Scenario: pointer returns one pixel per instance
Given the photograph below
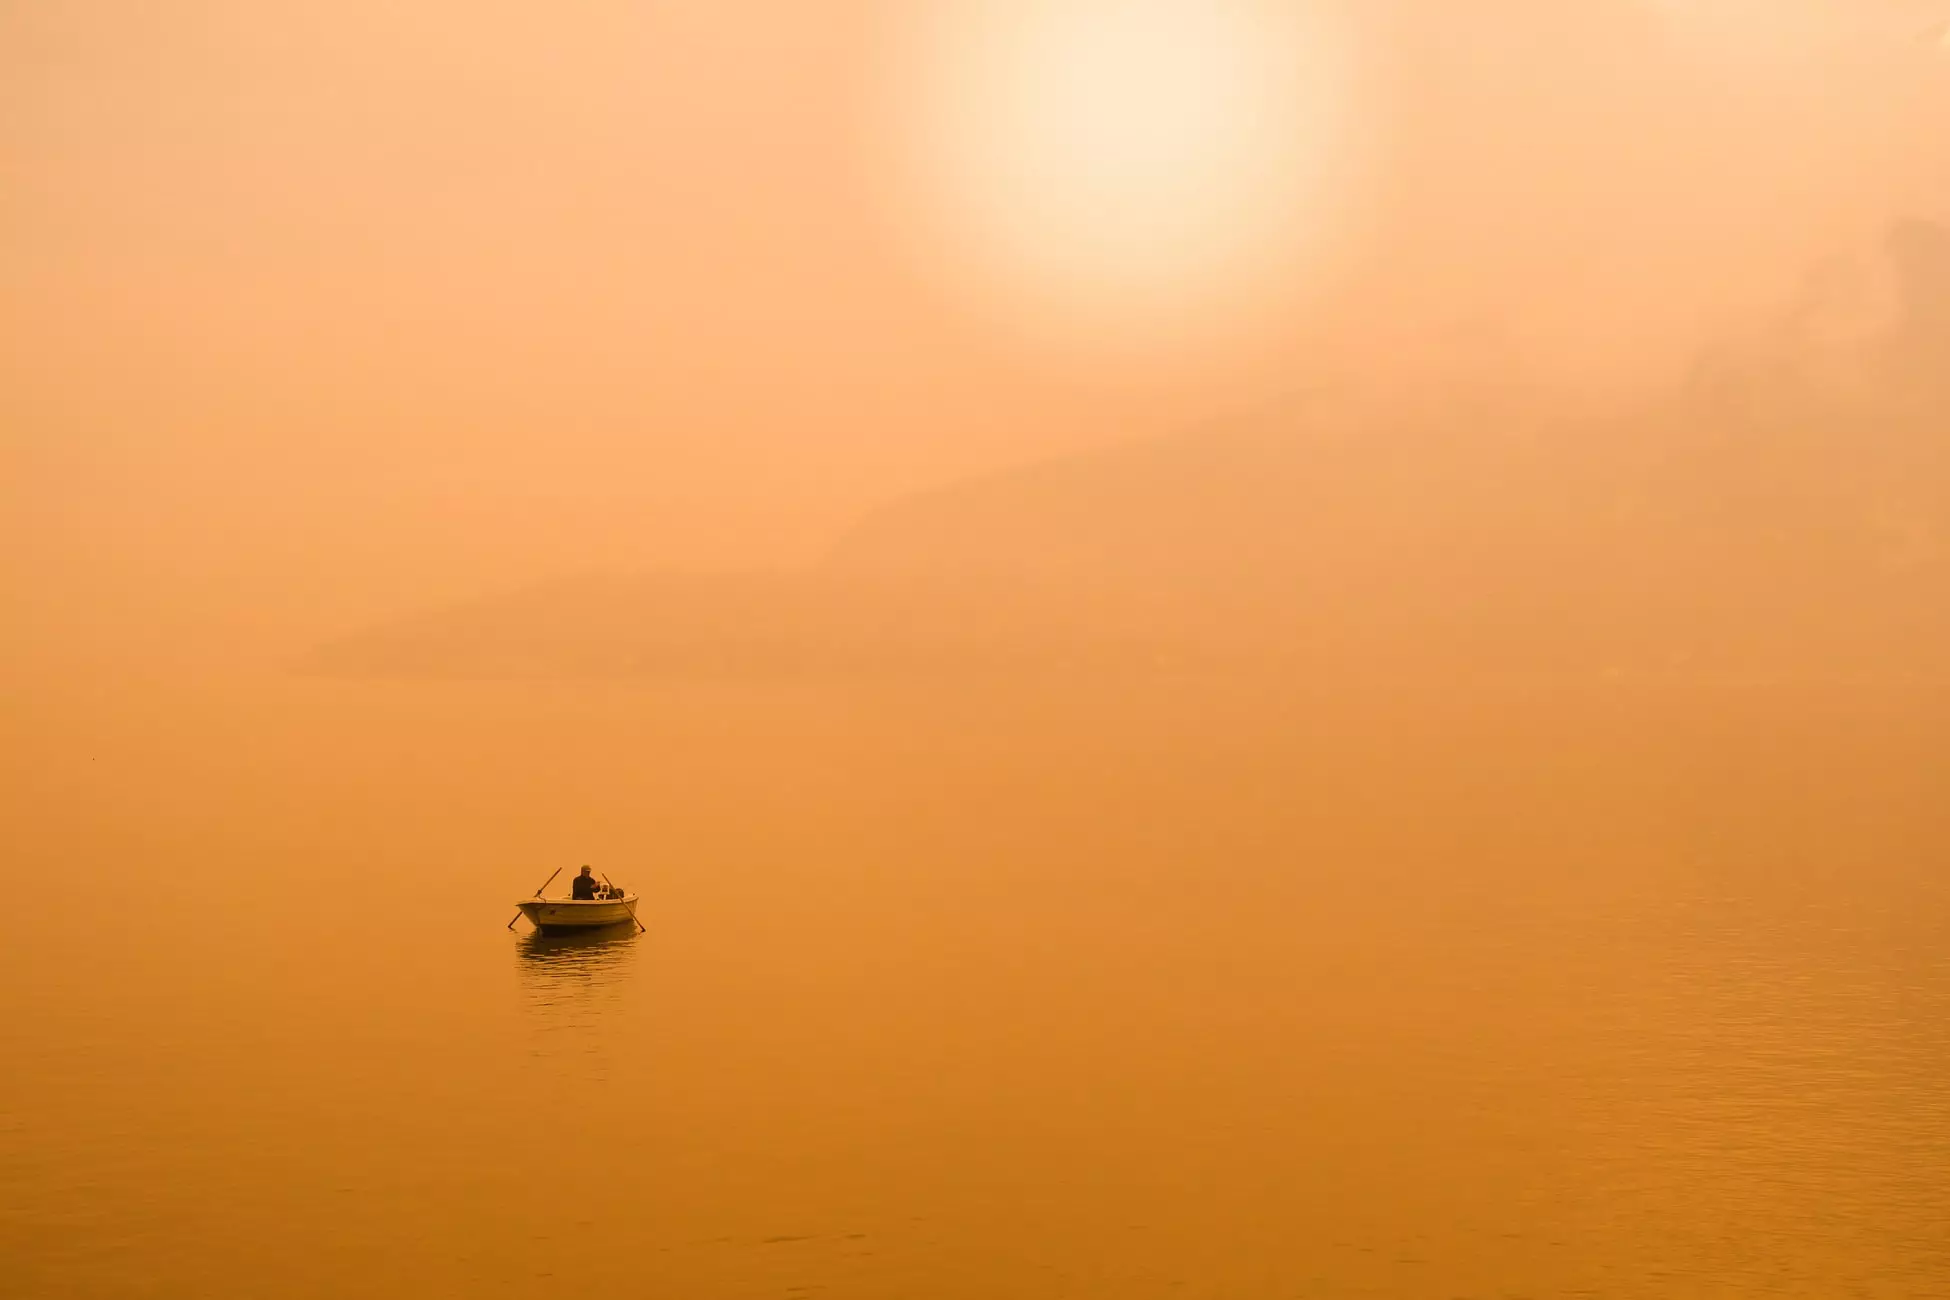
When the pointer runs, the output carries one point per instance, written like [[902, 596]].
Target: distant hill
[[1782, 513]]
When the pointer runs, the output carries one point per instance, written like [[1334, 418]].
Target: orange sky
[[313, 311]]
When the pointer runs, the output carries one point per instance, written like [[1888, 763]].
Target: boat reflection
[[582, 967]]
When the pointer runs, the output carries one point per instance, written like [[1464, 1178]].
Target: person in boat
[[583, 887]]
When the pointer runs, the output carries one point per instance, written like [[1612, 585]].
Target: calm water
[[1154, 990]]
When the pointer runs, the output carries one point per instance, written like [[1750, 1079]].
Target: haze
[[396, 307], [1248, 649]]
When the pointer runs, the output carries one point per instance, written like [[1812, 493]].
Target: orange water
[[1134, 989]]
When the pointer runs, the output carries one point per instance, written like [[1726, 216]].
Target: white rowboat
[[554, 915]]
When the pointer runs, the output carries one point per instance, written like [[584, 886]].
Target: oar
[[538, 893], [641, 928]]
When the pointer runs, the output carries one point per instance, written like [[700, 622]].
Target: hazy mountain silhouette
[[1787, 510]]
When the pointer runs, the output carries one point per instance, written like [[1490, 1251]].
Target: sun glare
[[1118, 164]]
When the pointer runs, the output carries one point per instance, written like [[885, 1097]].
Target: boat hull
[[553, 915]]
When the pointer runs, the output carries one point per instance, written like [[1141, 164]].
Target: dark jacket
[[582, 887]]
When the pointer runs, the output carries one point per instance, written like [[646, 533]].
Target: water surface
[[1154, 988]]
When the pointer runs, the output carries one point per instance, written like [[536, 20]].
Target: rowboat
[[556, 915]]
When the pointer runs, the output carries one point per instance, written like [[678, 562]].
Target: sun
[[1118, 165]]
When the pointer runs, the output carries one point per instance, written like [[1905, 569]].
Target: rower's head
[[585, 871]]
